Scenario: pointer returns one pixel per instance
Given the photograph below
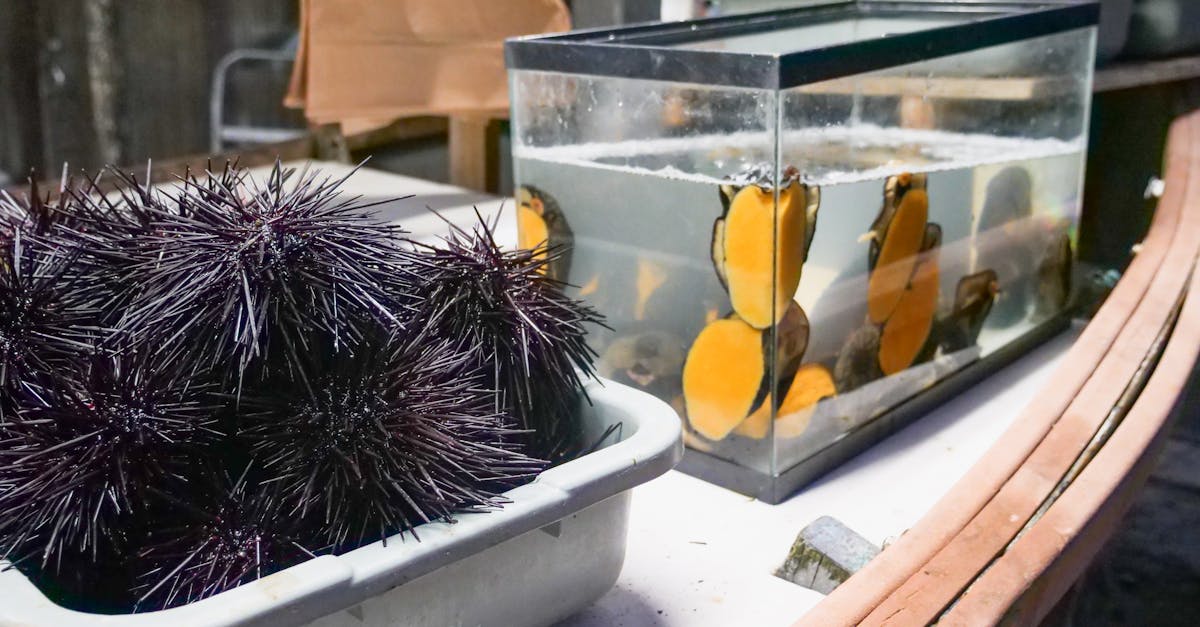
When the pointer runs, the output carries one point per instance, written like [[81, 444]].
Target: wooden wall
[[91, 82]]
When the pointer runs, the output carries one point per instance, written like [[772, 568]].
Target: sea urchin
[[532, 336], [402, 434], [231, 266], [233, 533], [81, 453], [46, 315]]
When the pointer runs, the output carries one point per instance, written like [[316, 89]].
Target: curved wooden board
[[851, 602], [1024, 584]]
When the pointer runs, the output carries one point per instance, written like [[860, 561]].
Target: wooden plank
[[1038, 569], [950, 88], [301, 148], [1142, 73], [329, 144], [934, 586], [597, 13], [103, 72], [163, 105], [1120, 76], [399, 130], [118, 82], [68, 126], [469, 154], [324, 143]]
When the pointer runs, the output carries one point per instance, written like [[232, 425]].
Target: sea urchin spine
[[46, 314], [236, 533], [532, 336], [230, 266], [392, 438], [81, 453]]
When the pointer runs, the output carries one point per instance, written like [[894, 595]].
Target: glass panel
[[630, 172], [949, 207]]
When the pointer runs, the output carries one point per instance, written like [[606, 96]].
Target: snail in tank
[[896, 237], [1054, 274], [974, 298], [762, 278], [903, 285], [1007, 206], [650, 361], [903, 327], [729, 383], [858, 361], [541, 224]]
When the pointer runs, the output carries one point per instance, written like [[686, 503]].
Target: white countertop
[[702, 555]]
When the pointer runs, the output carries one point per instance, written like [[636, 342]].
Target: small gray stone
[[825, 554]]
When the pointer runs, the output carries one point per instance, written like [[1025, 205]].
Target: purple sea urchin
[[42, 318], [80, 454], [236, 532], [108, 231], [46, 318], [231, 266], [401, 435], [532, 336]]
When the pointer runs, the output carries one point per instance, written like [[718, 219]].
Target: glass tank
[[806, 227]]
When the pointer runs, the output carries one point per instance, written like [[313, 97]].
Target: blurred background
[[93, 82]]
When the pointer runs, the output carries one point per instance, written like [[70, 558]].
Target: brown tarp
[[378, 60]]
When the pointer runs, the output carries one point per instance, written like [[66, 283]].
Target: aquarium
[[805, 227]]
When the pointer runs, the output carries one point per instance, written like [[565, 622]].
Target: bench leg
[[474, 158]]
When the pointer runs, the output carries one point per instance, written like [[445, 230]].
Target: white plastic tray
[[555, 549]]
